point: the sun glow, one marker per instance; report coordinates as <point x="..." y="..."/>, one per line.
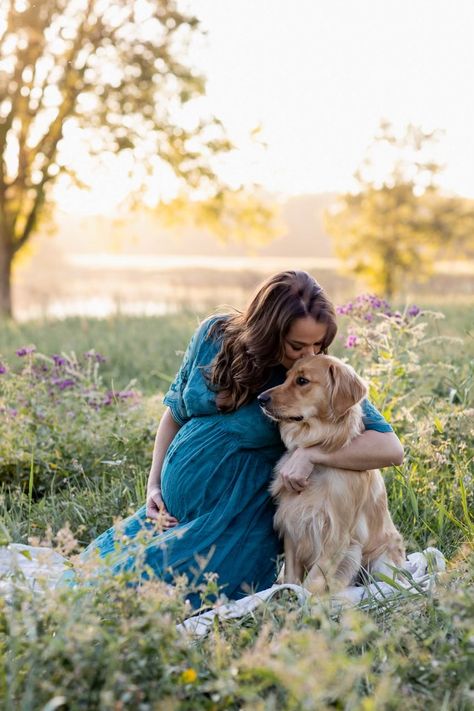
<point x="317" y="80"/>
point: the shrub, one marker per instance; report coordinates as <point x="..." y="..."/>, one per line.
<point x="430" y="405"/>
<point x="59" y="421"/>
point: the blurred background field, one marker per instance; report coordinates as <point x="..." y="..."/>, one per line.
<point x="103" y="266"/>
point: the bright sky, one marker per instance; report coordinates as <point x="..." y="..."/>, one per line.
<point x="318" y="75"/>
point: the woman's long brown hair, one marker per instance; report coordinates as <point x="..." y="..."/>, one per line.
<point x="253" y="341"/>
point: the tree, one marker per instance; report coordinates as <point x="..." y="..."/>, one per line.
<point x="250" y="218"/>
<point x="398" y="222"/>
<point x="109" y="74"/>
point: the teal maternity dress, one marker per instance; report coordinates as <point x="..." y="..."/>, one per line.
<point x="214" y="480"/>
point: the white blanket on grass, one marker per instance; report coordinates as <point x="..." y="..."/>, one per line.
<point x="417" y="576"/>
<point x="39" y="568"/>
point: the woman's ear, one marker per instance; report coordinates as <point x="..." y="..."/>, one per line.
<point x="347" y="389"/>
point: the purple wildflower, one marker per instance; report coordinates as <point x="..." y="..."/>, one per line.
<point x="63" y="383"/>
<point x="26" y="350"/>
<point x="351" y="341"/>
<point x="95" y="356"/>
<point x="124" y="394"/>
<point x="413" y="311"/>
<point x="109" y="398"/>
<point x="59" y="360"/>
<point x="67" y="383"/>
<point x="114" y="396"/>
<point x="345" y="309"/>
<point x="3" y="369"/>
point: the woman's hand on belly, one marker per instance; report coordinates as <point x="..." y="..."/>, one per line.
<point x="156" y="509"/>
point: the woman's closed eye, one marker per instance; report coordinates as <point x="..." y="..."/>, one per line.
<point x="316" y="346"/>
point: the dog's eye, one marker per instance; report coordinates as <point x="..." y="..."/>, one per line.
<point x="301" y="381"/>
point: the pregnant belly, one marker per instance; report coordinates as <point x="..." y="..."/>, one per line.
<point x="205" y="469"/>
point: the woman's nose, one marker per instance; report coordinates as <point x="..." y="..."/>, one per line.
<point x="307" y="351"/>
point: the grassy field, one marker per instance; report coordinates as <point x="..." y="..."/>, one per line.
<point x="79" y="455"/>
<point x="148" y="350"/>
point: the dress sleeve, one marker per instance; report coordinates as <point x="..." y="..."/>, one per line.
<point x="174" y="397"/>
<point x="372" y="418"/>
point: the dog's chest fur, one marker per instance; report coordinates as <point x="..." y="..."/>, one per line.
<point x="307" y="515"/>
<point x="329" y="434"/>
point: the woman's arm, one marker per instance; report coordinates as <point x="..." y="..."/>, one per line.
<point x="370" y="450"/>
<point x="155" y="507"/>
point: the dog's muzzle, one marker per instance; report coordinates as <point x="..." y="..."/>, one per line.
<point x="264" y="400"/>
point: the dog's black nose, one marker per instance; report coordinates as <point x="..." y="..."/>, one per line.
<point x="263" y="399"/>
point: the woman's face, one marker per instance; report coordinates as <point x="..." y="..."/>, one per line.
<point x="305" y="337"/>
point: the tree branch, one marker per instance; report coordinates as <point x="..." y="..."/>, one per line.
<point x="33" y="215"/>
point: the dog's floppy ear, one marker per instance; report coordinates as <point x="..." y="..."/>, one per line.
<point x="347" y="389"/>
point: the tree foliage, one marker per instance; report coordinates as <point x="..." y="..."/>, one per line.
<point x="249" y="218"/>
<point x="111" y="75"/>
<point x="398" y="221"/>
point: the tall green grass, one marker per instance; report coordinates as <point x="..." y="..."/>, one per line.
<point x="149" y="349"/>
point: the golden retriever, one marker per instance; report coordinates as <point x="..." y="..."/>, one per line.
<point x="340" y="522"/>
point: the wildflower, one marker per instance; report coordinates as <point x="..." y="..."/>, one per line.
<point x="59" y="360"/>
<point x="67" y="383"/>
<point x="92" y="355"/>
<point x="351" y="341"/>
<point x="109" y="398"/>
<point x="63" y="383"/>
<point x="3" y="369"/>
<point x="124" y="394"/>
<point x="26" y="350"/>
<point x="188" y="676"/>
<point x="413" y="311"/>
<point x="113" y="396"/>
<point x="375" y="302"/>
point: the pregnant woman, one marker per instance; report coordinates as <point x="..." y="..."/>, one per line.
<point x="215" y="451"/>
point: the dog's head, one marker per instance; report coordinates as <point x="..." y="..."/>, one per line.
<point x="319" y="387"/>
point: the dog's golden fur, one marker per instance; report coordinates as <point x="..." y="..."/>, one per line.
<point x="340" y="522"/>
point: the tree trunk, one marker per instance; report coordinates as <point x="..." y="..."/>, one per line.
<point x="5" y="280"/>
